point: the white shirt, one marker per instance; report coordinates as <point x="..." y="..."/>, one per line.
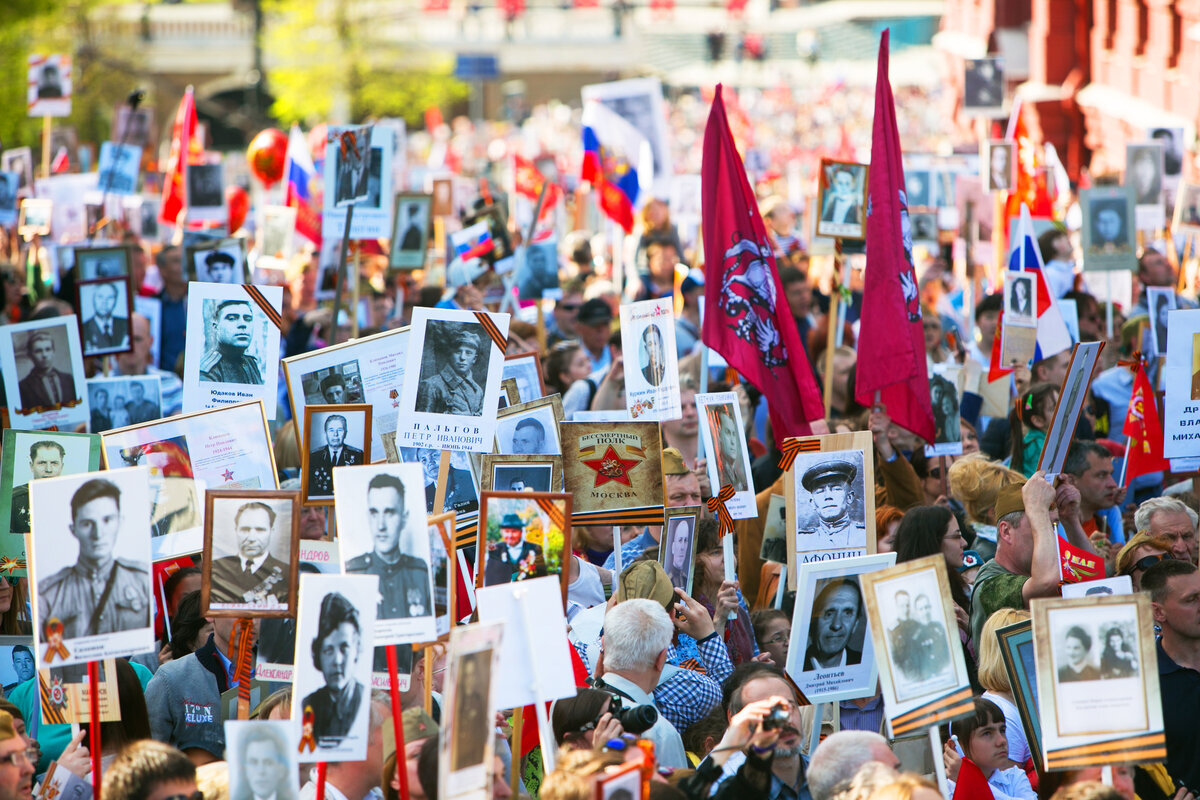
<point x="253" y="564"/>
<point x="587" y="590"/>
<point x="1018" y="747"/>
<point x="668" y="746"/>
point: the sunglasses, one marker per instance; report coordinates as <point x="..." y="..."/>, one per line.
<point x="568" y="306"/>
<point x="1146" y="562"/>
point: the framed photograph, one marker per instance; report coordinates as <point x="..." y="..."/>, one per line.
<point x="945" y="393"/>
<point x="1181" y="376"/>
<point x="35" y="217"/>
<point x="382" y="531"/>
<point x="1020" y="298"/>
<point x="831" y="656"/>
<point x="123" y="401"/>
<point x="1108" y="235"/>
<point x="1120" y="584"/>
<point x="1098" y="648"/>
<point x="49" y="85"/>
<point x="508" y="393"/>
<point x="622" y="783"/>
<point x="465" y="752"/>
<point x="1020" y="664"/>
<point x="830" y="494"/>
<point x="251" y="552"/>
<point x="443" y="197"/>
<point x="104" y="308"/>
<point x="1144" y="175"/>
<point x="526" y="370"/>
<point x="530" y="429"/>
<point x="924" y="227"/>
<point x="334" y="436"/>
<point x="915" y="637"/>
<point x="639" y="101"/>
<point x="652" y="377"/>
<point x="218" y="261"/>
<point x="233" y="347"/>
<point x="918" y="187"/>
<point x="118" y="168"/>
<point x="80" y="523"/>
<point x="94" y="263"/>
<point x="723" y="435"/>
<point x="462" y="487"/>
<point x="1074" y="392"/>
<point x="263" y="759"/>
<point x="456" y="358"/>
<point x="334" y="636"/>
<point x="359" y="173"/>
<point x="842" y="198"/>
<point x="368" y="370"/>
<point x="538" y="270"/>
<point x="444" y="569"/>
<point x="521" y="473"/>
<point x="277" y="635"/>
<point x="9" y="183"/>
<point x="275" y="240"/>
<point x="677" y="552"/>
<point x="613" y="470"/>
<point x="410" y="232"/>
<point x="1000" y="165"/>
<point x="1161" y="300"/>
<point x="177" y="522"/>
<point x="42" y="365"/>
<point x="525" y="535"/>
<point x="1187" y="209"/>
<point x="20" y="161"/>
<point x="774" y="543"/>
<point x="983" y="87"/>
<point x="206" y="192"/>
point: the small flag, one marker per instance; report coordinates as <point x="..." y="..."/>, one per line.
<point x="300" y="173"/>
<point x="1144" y="448"/>
<point x="62" y="161"/>
<point x="472" y="242"/>
<point x="1053" y="335"/>
<point x="971" y="785"/>
<point x="1076" y="565"/>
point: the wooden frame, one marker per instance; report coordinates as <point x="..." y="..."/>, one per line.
<point x="842" y="230"/>
<point x="509" y="396"/>
<point x="1016" y="641"/>
<point x="530" y="408"/>
<point x="120" y="280"/>
<point x="210" y="497"/>
<point x="446" y="534"/>
<point x="310" y="411"/>
<point x="489" y="462"/>
<point x="625" y="777"/>
<point x="403" y="259"/>
<point x="560" y="499"/>
<point x="85" y="253"/>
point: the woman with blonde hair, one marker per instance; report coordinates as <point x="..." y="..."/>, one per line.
<point x="994" y="680"/>
<point x="976" y="482"/>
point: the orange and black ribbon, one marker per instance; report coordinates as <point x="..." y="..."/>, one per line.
<point x="54" y="641"/>
<point x="1134" y="361"/>
<point x="243" y="656"/>
<point x="348" y="140"/>
<point x="717" y="506"/>
<point x="793" y="446"/>
<point x="263" y="303"/>
<point x="551" y="509"/>
<point x="489" y="325"/>
<point x="308" y="740"/>
<point x="44" y="409"/>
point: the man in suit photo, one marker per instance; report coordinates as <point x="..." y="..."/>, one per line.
<point x="335" y="453"/>
<point x="45" y="386"/>
<point x="841" y="201"/>
<point x="252" y="577"/>
<point x="264" y="773"/>
<point x="655" y="368"/>
<point x="105" y="331"/>
<point x="513" y="559"/>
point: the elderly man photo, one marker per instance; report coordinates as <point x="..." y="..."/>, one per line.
<point x="99" y="593"/>
<point x="45" y="386"/>
<point x="264" y="772"/>
<point x="253" y="576"/>
<point x="227" y="362"/>
<point x="835" y="615"/>
<point x="831" y="489"/>
<point x="336" y="649"/>
<point x="46" y="459"/>
<point x="104" y="330"/>
<point x="333" y="389"/>
<point x="335" y="453"/>
<point x="403" y="578"/>
<point x="460" y="489"/>
<point x="513" y="558"/>
<point x="453" y="390"/>
<point x="529" y="438"/>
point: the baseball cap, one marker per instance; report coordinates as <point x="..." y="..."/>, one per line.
<point x="595" y="312"/>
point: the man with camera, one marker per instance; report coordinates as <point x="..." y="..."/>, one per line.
<point x="636" y="636"/>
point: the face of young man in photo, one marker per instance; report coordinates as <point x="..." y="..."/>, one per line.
<point x="47" y="463"/>
<point x="462" y="358"/>
<point x="386" y="514"/>
<point x="42" y="354"/>
<point x="264" y="768"/>
<point x="233" y="325"/>
<point x="96" y="526"/>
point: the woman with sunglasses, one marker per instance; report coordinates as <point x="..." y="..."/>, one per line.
<point x="1140" y="553"/>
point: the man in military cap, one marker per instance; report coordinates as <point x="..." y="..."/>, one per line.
<point x="45" y="461"/>
<point x="253" y="576"/>
<point x="335" y="453"/>
<point x="232" y="323"/>
<point x="218" y="267"/>
<point x="99" y="593"/>
<point x="454" y="390"/>
<point x="831" y="495"/>
<point x="336" y="650"/>
<point x="514" y="559"/>
<point x="404" y="583"/>
<point x="333" y="389"/>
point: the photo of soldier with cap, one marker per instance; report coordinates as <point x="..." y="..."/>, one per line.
<point x="454" y="365"/>
<point x="833" y="489"/>
<point x="336" y="651"/>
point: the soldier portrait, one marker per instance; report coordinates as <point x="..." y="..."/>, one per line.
<point x="104" y="316"/>
<point x="522" y="477"/>
<point x="43" y="360"/>
<point x="829" y="501"/>
<point x="728" y="442"/>
<point x="101" y="262"/>
<point x="252" y="547"/>
<point x="205" y="186"/>
<point x="471" y="723"/>
<point x="454" y="367"/>
<point x="266" y="766"/>
<point x="35" y="455"/>
<point x="335" y="438"/>
<point x="335" y="385"/>
<point x="337" y="652"/>
<point x="233" y="327"/>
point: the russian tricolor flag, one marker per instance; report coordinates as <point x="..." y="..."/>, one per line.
<point x="474" y="241"/>
<point x="300" y="171"/>
<point x="1052" y="334"/>
<point x="617" y="161"/>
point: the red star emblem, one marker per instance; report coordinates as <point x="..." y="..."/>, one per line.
<point x="611" y="468"/>
<point x="227" y="475"/>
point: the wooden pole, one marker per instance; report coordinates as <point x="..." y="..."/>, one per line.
<point x="45" y="147"/>
<point x="355" y="291"/>
<point x="439" y="493"/>
<point x="514" y="771"/>
<point x="428" y="656"/>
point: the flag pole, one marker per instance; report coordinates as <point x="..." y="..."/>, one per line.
<point x="46" y="146"/>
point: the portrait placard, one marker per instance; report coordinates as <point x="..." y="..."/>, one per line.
<point x="537" y="273"/>
<point x="726" y="455"/>
<point x="367" y="370"/>
<point x="48" y="92"/>
<point x="509" y="396"/>
<point x="614" y="472"/>
<point x="232" y="352"/>
<point x="275" y="240"/>
<point x="1108" y="228"/>
<point x="621" y="783"/>
<point x="9" y="183"/>
<point x="1118" y="584"/>
<point x="1160" y="301"/>
<point x="93" y="263"/>
<point x="443" y="197"/>
<point x="383" y="531"/>
<point x="531" y="428"/>
<point x="639" y="101"/>
<point x="125" y="400"/>
<point x="1085" y="358"/>
<point x="42" y="364"/>
<point x="454" y="363"/>
<point x="1181" y="376"/>
<point x="17" y="663"/>
<point x="831" y="656"/>
<point x="830" y="493"/>
<point x="35" y="217"/>
<point x="217" y="261"/>
<point x="677" y="550"/>
<point x="465" y="752"/>
<point x="842" y="196"/>
<point x="443" y="567"/>
<point x="1187" y="209"/>
<point x="1097" y="679"/>
<point x="103" y="523"/>
<point x="520" y="473"/>
<point x="652" y="375"/>
<point x="263" y="761"/>
<point x="999" y="164"/>
<point x="20" y="161"/>
<point x="462" y="487"/>
<point x="915" y="637"/>
<point x="983" y="87"/>
<point x="775" y="539"/>
<point x="104" y="308"/>
<point x="944" y="392"/>
<point x="251" y="553"/>
<point x="118" y="167"/>
<point x="277" y="635"/>
<point x="334" y="638"/>
<point x="1144" y="175"/>
<point x="524" y="535"/>
<point x="1020" y="665"/>
<point x="410" y="231"/>
<point x="526" y="369"/>
<point x="177" y="523"/>
<point x="30" y="456"/>
<point x="206" y="193"/>
<point x="334" y="436"/>
<point x="358" y="174"/>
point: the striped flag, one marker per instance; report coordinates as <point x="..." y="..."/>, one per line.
<point x="300" y="171"/>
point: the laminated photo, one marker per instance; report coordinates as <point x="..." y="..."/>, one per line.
<point x="251" y="546"/>
<point x="42" y="365"/>
<point x="726" y="455"/>
<point x="652" y="363"/>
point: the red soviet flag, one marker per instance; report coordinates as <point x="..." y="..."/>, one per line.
<point x="971" y="785"/>
<point x="185" y="149"/>
<point x="1144" y="448"/>
<point x="891" y="342"/>
<point x="746" y="318"/>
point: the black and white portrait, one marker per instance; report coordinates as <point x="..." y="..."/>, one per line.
<point x="334" y="438"/>
<point x="470" y="724"/>
<point x="1187" y="208"/>
<point x="1161" y="301"/>
<point x="843" y="202"/>
<point x="830" y="491"/>
<point x="336" y="385"/>
<point x="454" y="368"/>
<point x="919" y="185"/>
<point x="924" y="226"/>
<point x="677" y="551"/>
<point x="205" y="186"/>
<point x="351" y="151"/>
<point x="774" y="543"/>
<point x="524" y="368"/>
<point x="263" y="762"/>
<point x="522" y="477"/>
<point x="1172" y="142"/>
<point x="729" y="446"/>
<point x="837" y="625"/>
<point x="1020" y="303"/>
<point x="652" y="358"/>
<point x="235" y="326"/>
<point x="104" y="308"/>
<point x="1144" y="173"/>
<point x="49" y="82"/>
<point x="943" y="394"/>
<point x="1108" y="222"/>
<point x="917" y="640"/>
<point x="999" y="166"/>
<point x="126" y="400"/>
<point x="94" y="263"/>
<point x="219" y="262"/>
<point x="983" y="84"/>
<point x="410" y="232"/>
<point x="253" y="543"/>
<point x="36" y="455"/>
<point x="20" y="161"/>
<point x="44" y="367"/>
<point x="539" y="272"/>
<point x="530" y="428"/>
<point x="462" y="496"/>
<point x="1092" y="651"/>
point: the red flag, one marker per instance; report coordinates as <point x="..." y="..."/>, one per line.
<point x="61" y="162"/>
<point x="529" y="182"/>
<point x="529" y="729"/>
<point x="889" y="361"/>
<point x="1076" y="565"/>
<point x="746" y="319"/>
<point x="1144" y="450"/>
<point x="1031" y="188"/>
<point x="185" y="149"/>
<point x="971" y="785"/>
<point x="995" y="370"/>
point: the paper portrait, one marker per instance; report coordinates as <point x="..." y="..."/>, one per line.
<point x="104" y="307"/>
<point x="217" y="261"/>
<point x="383" y="531"/>
<point x="42" y="363"/>
<point x="263" y="762"/>
<point x="774" y="542"/>
<point x="614" y="472"/>
<point x="1187" y="209"/>
<point x="983" y="86"/>
<point x="677" y="551"/>
<point x="1084" y="360"/>
<point x="1181" y="377"/>
<point x="35" y="217"/>
<point x="9" y="186"/>
<point x="49" y="86"/>
<point x="918" y="185"/>
<point x="251" y="546"/>
<point x="530" y="429"/>
<point x="521" y="473"/>
<point x="537" y="269"/>
<point x="526" y="369"/>
<point x="206" y="192"/>
<point x="726" y="454"/>
<point x="1144" y="175"/>
<point x="233" y="346"/>
<point x="944" y="394"/>
<point x="277" y="635"/>
<point x="334" y="639"/>
<point x="830" y="518"/>
<point x="999" y="165"/>
<point x="67" y="694"/>
<point x="16" y="661"/>
<point x="465" y="752"/>
<point x="20" y="161"/>
<point x="1020" y="298"/>
<point x="334" y="436"/>
<point x="831" y="655"/>
<point x="456" y="358"/>
<point x="410" y="232"/>
<point x="461" y="493"/>
<point x="91" y="524"/>
<point x="32" y="456"/>
<point x="526" y="535"/>
<point x="366" y="370"/>
<point x="1108" y="235"/>
<point x="842" y="194"/>
<point x="177" y="521"/>
<point x="119" y="166"/>
<point x="1121" y="584"/>
<point x="1161" y="301"/>
<point x="127" y="400"/>
<point x="442" y="567"/>
<point x="652" y="375"/>
<point x="275" y="239"/>
<point x="358" y="172"/>
<point x="94" y="263"/>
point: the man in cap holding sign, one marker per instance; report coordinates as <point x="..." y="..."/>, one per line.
<point x="829" y="485"/>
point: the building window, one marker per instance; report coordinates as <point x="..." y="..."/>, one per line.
<point x="1110" y="33"/>
<point x="1176" y="37"/>
<point x="1143" y="27"/>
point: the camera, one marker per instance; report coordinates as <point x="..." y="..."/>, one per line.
<point x="776" y="718"/>
<point x="635" y="719"/>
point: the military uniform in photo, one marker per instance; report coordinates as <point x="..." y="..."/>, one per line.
<point x="843" y="531"/>
<point x="230" y="367"/>
<point x="90" y="602"/>
<point x="504" y="560"/>
<point x="403" y="586"/>
<point x="239" y="580"/>
<point x="321" y="463"/>
<point x="450" y="393"/>
<point x="19" y="521"/>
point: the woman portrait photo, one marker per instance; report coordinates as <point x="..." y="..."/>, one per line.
<point x="1075" y="657"/>
<point x="1118" y="659"/>
<point x="677" y="555"/>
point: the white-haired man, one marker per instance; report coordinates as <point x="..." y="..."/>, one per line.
<point x="636" y="636"/>
<point x="1171" y="518"/>
<point x="837" y="759"/>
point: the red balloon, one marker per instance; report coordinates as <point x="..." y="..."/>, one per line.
<point x="266" y="155"/>
<point x="237" y="203"/>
